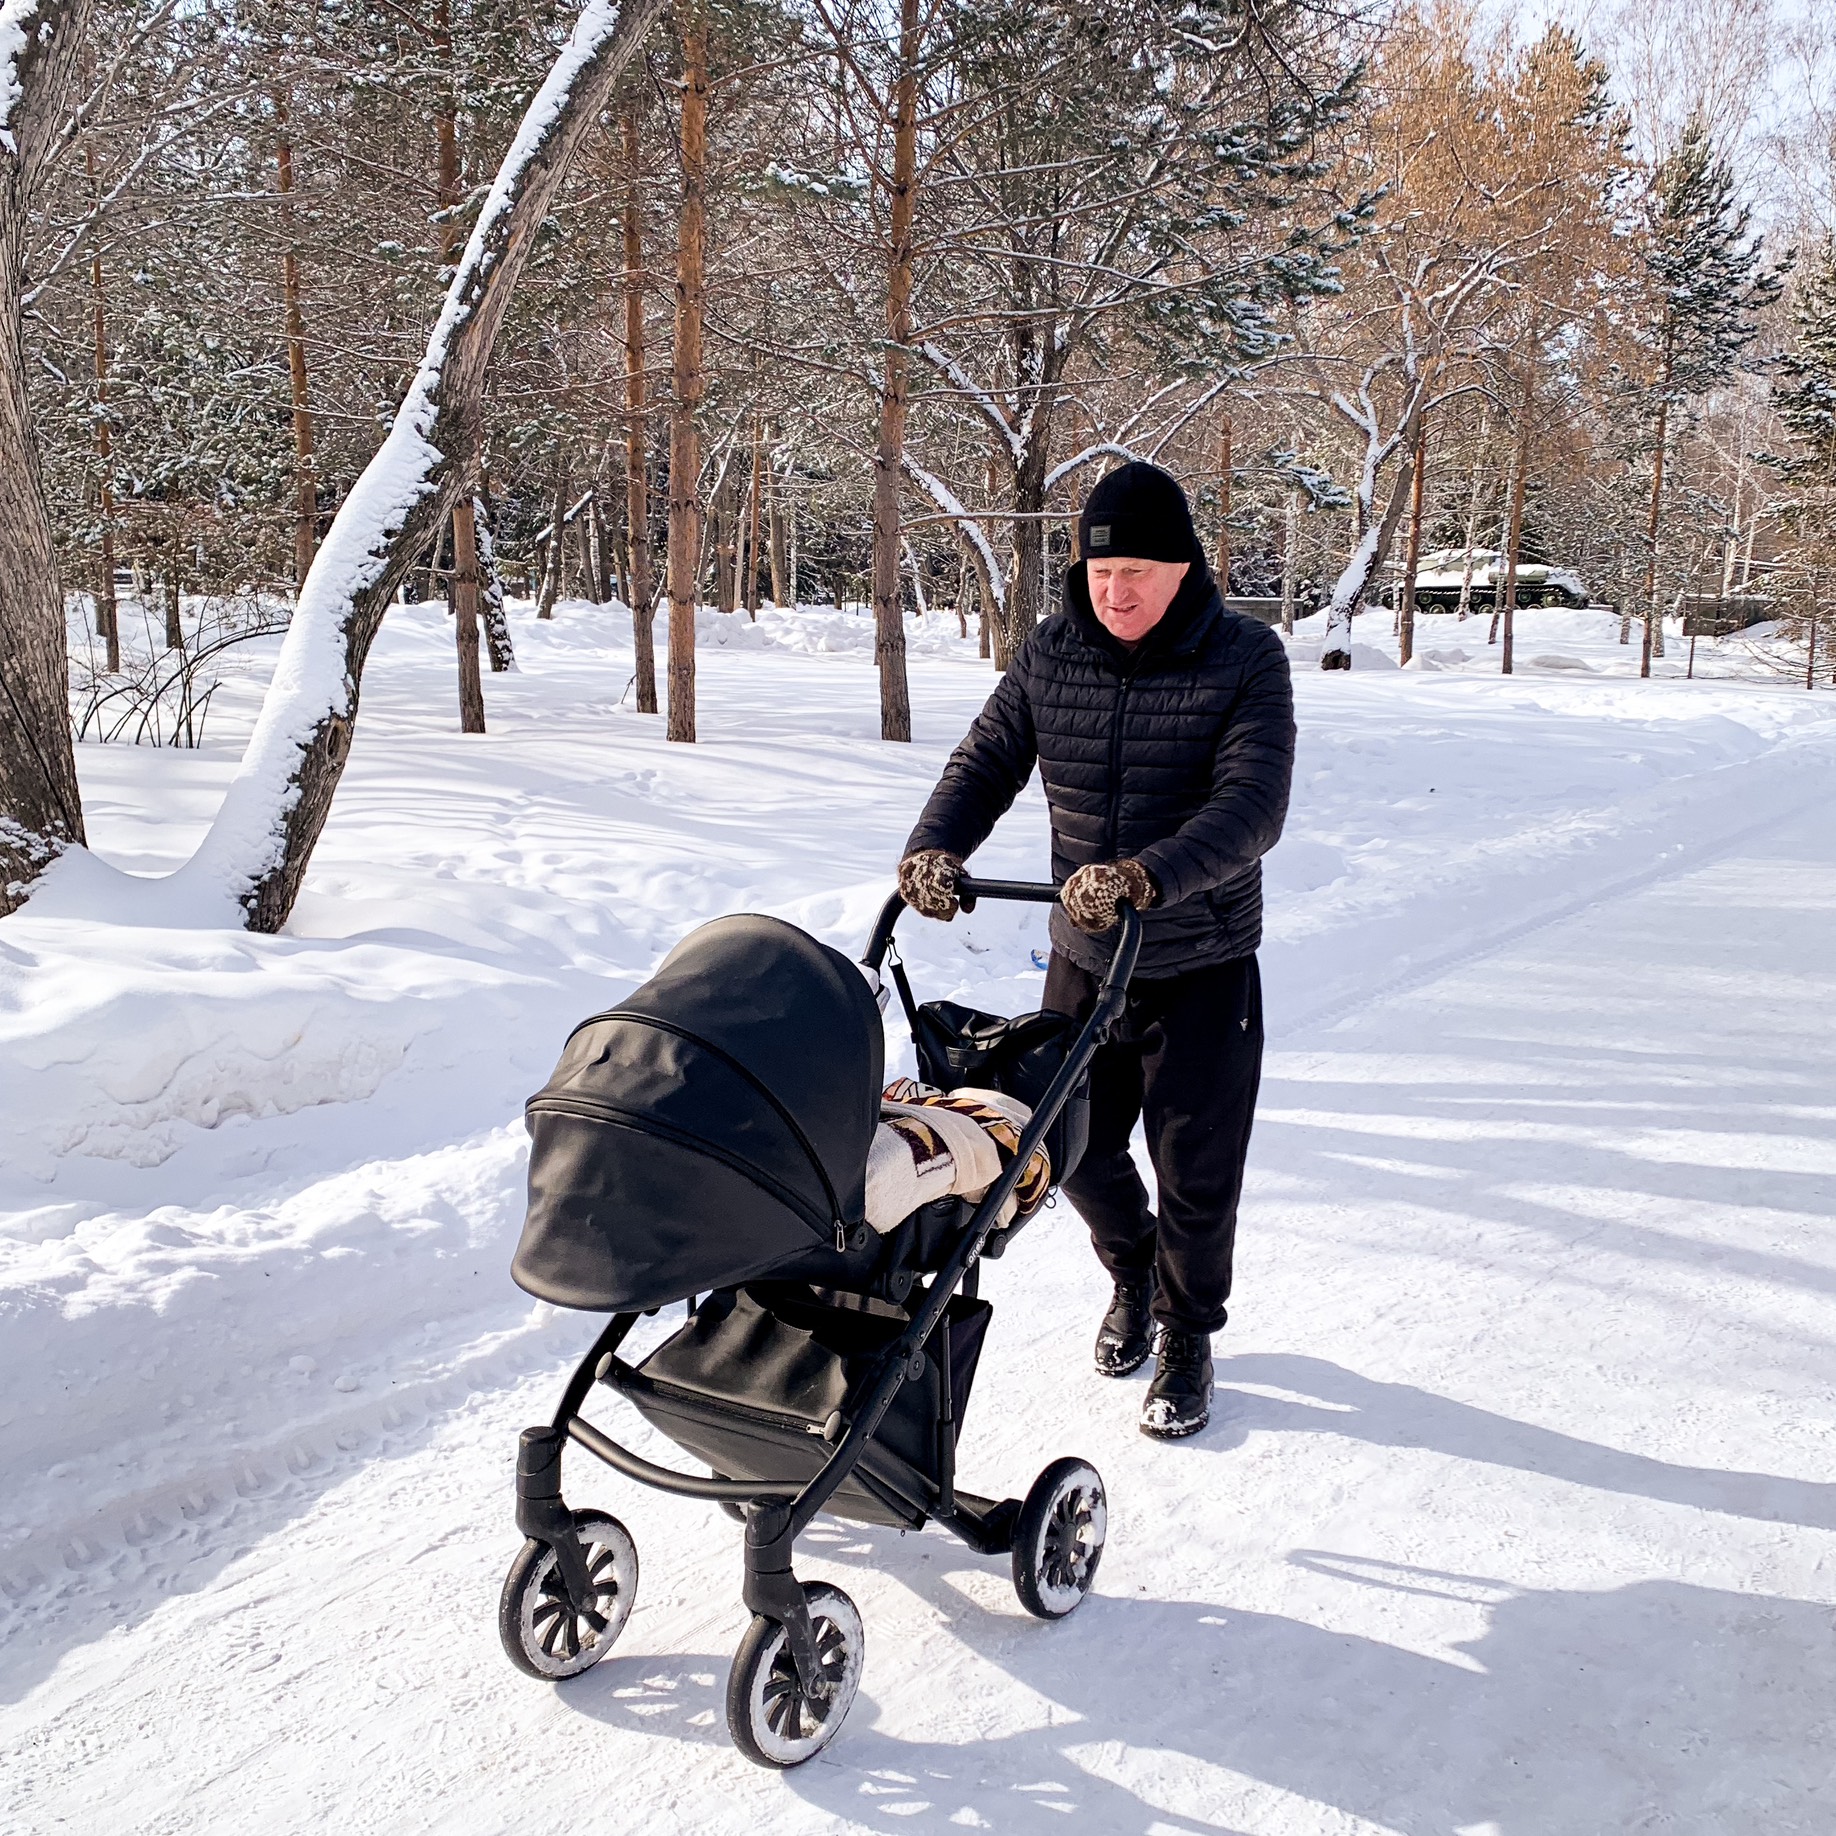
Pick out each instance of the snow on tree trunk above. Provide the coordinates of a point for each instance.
(41, 809)
(1366, 558)
(255, 856)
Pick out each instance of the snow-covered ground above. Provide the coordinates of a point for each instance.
(1516, 1514)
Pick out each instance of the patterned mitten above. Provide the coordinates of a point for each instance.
(1093, 895)
(927, 883)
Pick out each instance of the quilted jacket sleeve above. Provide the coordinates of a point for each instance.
(1250, 777)
(986, 772)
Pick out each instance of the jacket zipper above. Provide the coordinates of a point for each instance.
(1115, 765)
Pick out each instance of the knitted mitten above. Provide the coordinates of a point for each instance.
(927, 883)
(1093, 895)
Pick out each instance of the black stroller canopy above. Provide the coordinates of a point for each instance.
(710, 1128)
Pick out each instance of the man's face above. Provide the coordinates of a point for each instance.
(1131, 597)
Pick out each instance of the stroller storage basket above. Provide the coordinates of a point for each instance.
(755, 1377)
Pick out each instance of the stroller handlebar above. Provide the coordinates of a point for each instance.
(970, 890)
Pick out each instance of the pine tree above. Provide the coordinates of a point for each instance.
(1709, 286)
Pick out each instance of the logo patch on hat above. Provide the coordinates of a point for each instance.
(1099, 536)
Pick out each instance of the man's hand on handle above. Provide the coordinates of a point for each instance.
(1093, 896)
(927, 883)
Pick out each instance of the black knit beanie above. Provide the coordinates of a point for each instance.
(1140, 512)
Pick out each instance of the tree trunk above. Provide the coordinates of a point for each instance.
(1366, 558)
(491, 592)
(1405, 623)
(1290, 561)
(108, 614)
(1653, 616)
(754, 519)
(1472, 522)
(555, 559)
(895, 390)
(781, 594)
(305, 484)
(726, 531)
(41, 810)
(591, 575)
(1224, 495)
(175, 624)
(465, 617)
(641, 593)
(1514, 535)
(687, 380)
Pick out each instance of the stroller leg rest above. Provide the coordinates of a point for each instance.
(772, 1590)
(542, 1513)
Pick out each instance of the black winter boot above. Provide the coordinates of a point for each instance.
(1179, 1399)
(1127, 1334)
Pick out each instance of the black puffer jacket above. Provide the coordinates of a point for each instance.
(1178, 753)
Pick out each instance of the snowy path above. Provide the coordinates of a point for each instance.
(1517, 1515)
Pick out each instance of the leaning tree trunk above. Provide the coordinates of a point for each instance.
(895, 393)
(1366, 558)
(256, 853)
(688, 380)
(41, 809)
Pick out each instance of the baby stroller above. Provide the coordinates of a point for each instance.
(707, 1142)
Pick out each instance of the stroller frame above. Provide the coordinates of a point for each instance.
(778, 1511)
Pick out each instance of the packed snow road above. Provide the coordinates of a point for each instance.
(1516, 1514)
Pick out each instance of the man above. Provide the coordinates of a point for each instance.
(1163, 727)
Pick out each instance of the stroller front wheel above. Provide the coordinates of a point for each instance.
(770, 1718)
(1058, 1538)
(543, 1633)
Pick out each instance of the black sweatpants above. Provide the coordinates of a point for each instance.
(1186, 1058)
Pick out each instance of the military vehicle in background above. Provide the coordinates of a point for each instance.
(1439, 573)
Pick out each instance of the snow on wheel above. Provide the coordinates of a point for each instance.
(542, 1632)
(770, 1718)
(1058, 1538)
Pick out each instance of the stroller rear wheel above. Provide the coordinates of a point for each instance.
(771, 1719)
(1058, 1538)
(542, 1632)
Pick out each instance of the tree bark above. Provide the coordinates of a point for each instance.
(1405, 624)
(465, 617)
(41, 809)
(175, 624)
(1514, 535)
(108, 614)
(305, 483)
(641, 593)
(1290, 561)
(726, 531)
(491, 591)
(895, 391)
(753, 520)
(688, 381)
(1652, 614)
(555, 558)
(781, 594)
(1224, 482)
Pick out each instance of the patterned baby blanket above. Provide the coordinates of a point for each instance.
(931, 1144)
